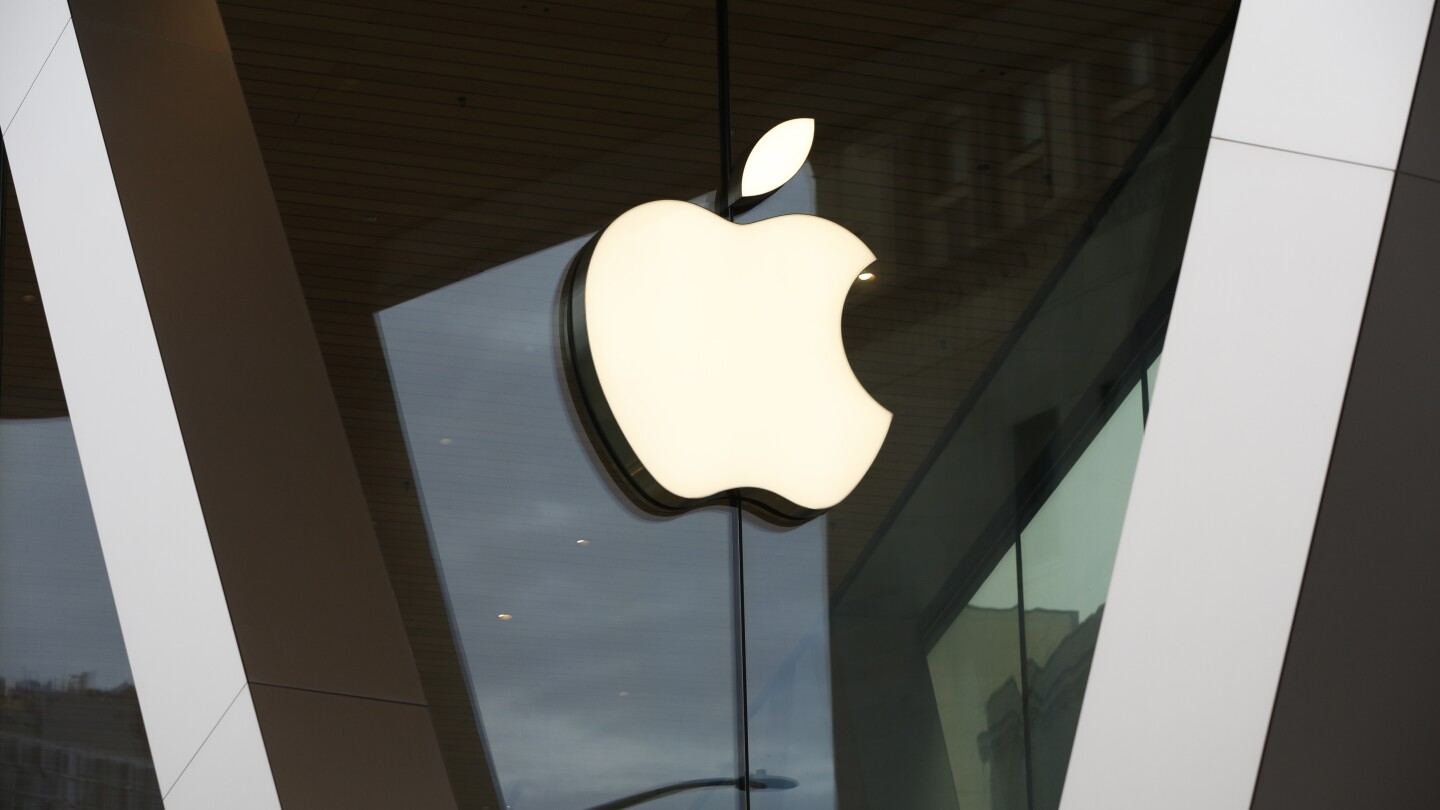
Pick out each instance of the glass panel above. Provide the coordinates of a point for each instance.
(788, 665)
(1069, 551)
(437, 167)
(975, 668)
(1025, 173)
(71, 735)
(595, 636)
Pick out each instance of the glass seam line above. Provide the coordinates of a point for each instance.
(742, 675)
(722, 207)
(722, 71)
(1024, 672)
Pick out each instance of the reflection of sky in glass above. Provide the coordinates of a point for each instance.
(788, 663)
(615, 673)
(57, 617)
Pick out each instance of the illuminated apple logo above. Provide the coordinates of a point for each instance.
(708, 354)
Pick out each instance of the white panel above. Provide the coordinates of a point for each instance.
(28, 29)
(231, 771)
(1228, 483)
(1325, 77)
(167, 591)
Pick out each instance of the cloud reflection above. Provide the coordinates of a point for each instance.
(642, 608)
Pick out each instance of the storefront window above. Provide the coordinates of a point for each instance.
(1069, 549)
(975, 669)
(598, 639)
(1024, 173)
(1013, 299)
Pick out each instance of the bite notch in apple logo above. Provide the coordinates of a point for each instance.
(707, 355)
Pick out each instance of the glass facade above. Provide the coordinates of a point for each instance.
(71, 735)
(1068, 548)
(604, 638)
(1025, 173)
(1009, 669)
(1027, 188)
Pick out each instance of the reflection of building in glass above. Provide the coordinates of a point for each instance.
(1092, 319)
(1057, 688)
(1002, 748)
(976, 672)
(66, 746)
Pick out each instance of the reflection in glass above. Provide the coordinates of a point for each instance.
(436, 168)
(70, 729)
(787, 657)
(614, 672)
(975, 669)
(1025, 175)
(1069, 550)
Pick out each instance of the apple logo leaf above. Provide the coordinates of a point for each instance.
(777, 156)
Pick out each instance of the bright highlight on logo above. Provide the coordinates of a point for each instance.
(777, 156)
(708, 355)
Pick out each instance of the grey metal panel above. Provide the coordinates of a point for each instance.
(1331, 78)
(329, 751)
(182, 21)
(1230, 475)
(308, 593)
(1357, 717)
(1355, 722)
(1421, 152)
(168, 594)
(1233, 465)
